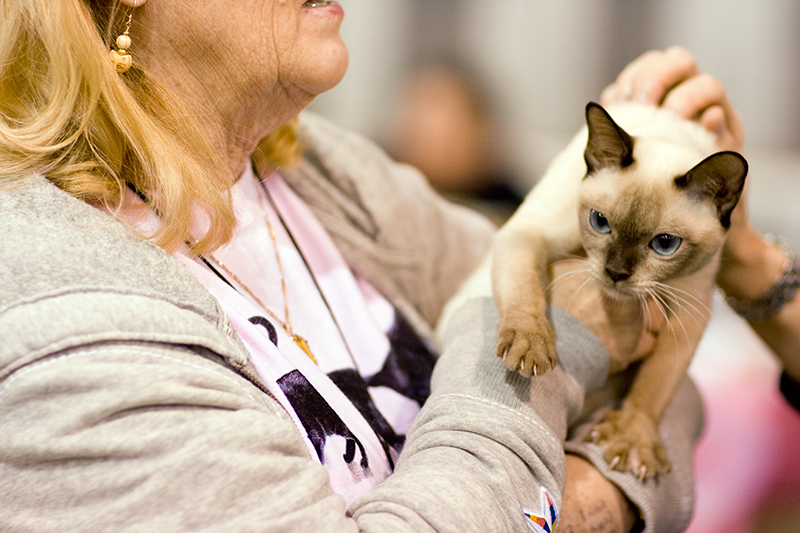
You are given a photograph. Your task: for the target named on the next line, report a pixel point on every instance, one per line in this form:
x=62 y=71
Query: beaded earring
x=120 y=57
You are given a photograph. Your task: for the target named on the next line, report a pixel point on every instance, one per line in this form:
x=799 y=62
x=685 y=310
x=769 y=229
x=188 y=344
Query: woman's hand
x=592 y=503
x=672 y=80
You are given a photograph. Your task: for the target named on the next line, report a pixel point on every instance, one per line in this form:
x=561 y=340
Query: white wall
x=546 y=58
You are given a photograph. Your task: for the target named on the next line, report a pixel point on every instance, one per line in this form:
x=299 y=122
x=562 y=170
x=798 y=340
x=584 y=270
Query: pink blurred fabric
x=748 y=456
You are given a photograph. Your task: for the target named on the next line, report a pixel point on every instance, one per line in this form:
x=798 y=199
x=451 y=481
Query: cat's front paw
x=526 y=343
x=631 y=442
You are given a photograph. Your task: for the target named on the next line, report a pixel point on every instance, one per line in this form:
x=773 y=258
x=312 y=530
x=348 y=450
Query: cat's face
x=650 y=209
x=641 y=231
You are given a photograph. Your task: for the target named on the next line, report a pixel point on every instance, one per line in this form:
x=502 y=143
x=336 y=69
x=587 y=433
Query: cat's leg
x=544 y=226
x=629 y=436
x=525 y=339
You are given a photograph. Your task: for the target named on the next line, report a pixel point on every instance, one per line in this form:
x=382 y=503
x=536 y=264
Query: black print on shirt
x=409 y=364
x=261 y=321
x=406 y=370
x=319 y=419
x=355 y=388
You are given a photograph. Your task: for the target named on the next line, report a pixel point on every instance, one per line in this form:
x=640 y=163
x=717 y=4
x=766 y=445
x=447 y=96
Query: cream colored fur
x=553 y=224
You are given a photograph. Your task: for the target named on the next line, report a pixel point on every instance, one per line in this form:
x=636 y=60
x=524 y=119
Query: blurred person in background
x=444 y=125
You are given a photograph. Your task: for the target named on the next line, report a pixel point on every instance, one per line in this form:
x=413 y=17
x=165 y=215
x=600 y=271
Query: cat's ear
x=718 y=178
x=608 y=144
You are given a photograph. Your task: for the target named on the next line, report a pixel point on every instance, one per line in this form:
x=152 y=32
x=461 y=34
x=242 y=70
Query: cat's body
x=648 y=205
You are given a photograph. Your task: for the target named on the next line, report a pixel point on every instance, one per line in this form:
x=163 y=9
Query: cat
x=648 y=206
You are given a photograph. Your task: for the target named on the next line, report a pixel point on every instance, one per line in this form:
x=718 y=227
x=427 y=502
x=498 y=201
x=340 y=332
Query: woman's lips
x=325 y=6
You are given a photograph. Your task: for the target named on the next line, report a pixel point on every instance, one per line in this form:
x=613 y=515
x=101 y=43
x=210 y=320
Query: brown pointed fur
x=633 y=185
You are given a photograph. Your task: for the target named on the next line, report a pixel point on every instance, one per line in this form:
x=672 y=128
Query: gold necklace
x=286 y=323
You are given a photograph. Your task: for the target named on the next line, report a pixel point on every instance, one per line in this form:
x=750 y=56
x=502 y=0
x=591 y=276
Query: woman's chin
x=328 y=73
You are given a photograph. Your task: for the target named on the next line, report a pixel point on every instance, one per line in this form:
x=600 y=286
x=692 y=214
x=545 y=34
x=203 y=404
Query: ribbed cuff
x=580 y=352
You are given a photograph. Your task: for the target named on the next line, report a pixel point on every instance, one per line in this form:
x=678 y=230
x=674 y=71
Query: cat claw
x=642 y=473
x=535 y=370
x=614 y=462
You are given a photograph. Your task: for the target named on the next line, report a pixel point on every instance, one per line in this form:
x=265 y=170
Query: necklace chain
x=286 y=323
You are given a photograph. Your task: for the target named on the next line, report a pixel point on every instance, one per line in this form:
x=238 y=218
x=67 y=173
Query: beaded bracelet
x=779 y=294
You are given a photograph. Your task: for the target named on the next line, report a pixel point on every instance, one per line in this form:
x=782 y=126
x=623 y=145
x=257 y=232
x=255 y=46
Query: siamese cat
x=646 y=199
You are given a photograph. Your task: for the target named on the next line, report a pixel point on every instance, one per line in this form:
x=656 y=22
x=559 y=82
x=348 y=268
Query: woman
x=234 y=384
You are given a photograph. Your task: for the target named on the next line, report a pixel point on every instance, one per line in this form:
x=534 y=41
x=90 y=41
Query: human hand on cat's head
x=627 y=329
x=672 y=79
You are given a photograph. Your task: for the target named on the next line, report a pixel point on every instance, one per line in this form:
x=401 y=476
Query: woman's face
x=280 y=53
x=310 y=53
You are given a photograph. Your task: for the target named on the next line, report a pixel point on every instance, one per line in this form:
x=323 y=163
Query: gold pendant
x=122 y=60
x=303 y=344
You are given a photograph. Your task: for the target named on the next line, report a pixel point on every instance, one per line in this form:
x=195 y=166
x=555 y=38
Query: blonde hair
x=65 y=112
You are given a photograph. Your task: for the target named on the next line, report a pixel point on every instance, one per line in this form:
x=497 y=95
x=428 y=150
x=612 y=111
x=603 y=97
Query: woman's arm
x=486 y=451
x=598 y=499
x=751 y=266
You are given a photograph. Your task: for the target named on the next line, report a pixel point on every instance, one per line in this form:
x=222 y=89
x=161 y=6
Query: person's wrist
x=775 y=261
x=750 y=266
x=592 y=502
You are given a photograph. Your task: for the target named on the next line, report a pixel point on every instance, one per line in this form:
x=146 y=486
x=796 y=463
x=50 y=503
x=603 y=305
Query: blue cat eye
x=599 y=222
x=665 y=244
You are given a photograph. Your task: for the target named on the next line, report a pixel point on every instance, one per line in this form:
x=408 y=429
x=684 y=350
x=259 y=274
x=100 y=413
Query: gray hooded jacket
x=128 y=404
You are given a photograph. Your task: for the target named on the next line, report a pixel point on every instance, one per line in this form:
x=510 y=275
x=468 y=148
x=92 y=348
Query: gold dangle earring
x=120 y=57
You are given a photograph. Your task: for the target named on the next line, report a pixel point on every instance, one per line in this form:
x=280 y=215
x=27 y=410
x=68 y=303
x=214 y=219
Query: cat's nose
x=617 y=275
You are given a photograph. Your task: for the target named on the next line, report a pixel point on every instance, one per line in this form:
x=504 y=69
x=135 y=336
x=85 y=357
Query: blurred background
x=482 y=94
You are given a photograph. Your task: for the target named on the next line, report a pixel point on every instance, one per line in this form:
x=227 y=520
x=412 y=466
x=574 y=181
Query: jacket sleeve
x=486 y=451
x=158 y=436
x=123 y=427
x=666 y=504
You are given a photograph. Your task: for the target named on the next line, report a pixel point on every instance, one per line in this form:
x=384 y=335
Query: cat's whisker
x=566 y=275
x=575 y=293
x=663 y=307
x=586 y=272
x=679 y=294
x=659 y=306
x=671 y=300
x=679 y=290
x=700 y=317
x=570 y=258
x=565 y=256
x=678 y=319
x=646 y=318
